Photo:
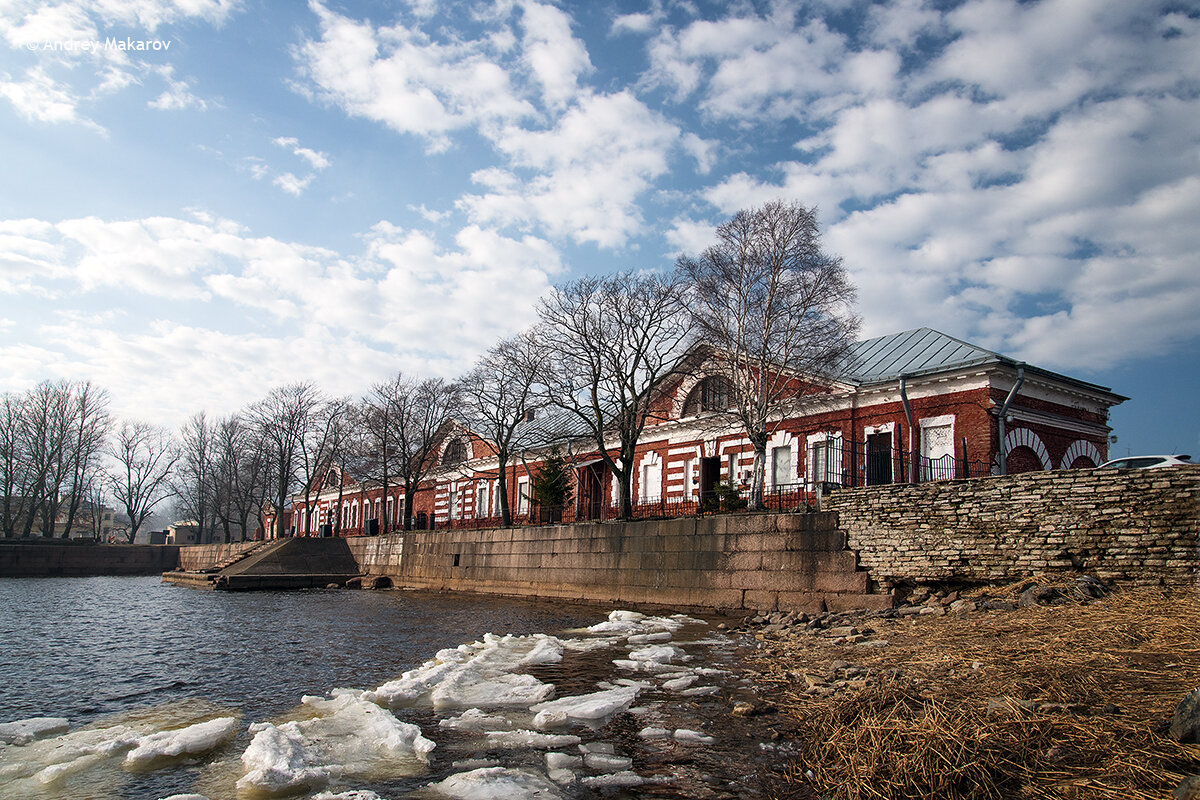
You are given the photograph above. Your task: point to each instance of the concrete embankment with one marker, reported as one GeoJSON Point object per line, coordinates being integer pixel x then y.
{"type": "Point", "coordinates": [56, 558]}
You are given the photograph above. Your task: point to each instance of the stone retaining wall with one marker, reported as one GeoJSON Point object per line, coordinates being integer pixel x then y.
{"type": "Point", "coordinates": [48, 558]}
{"type": "Point", "coordinates": [202, 556]}
{"type": "Point", "coordinates": [744, 561]}
{"type": "Point", "coordinates": [1137, 527]}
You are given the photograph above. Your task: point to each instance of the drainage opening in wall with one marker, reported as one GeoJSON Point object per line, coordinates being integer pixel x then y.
{"type": "Point", "coordinates": [455, 564]}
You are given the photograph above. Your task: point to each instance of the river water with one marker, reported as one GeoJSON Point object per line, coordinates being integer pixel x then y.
{"type": "Point", "coordinates": [136, 665]}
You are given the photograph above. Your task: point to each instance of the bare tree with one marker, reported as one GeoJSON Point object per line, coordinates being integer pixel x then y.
{"type": "Point", "coordinates": [282, 420]}
{"type": "Point", "coordinates": [608, 345]}
{"type": "Point", "coordinates": [50, 440]}
{"type": "Point", "coordinates": [777, 308]}
{"type": "Point", "coordinates": [415, 414]}
{"type": "Point", "coordinates": [88, 431]}
{"type": "Point", "coordinates": [194, 480]}
{"type": "Point", "coordinates": [240, 488]}
{"type": "Point", "coordinates": [144, 457]}
{"type": "Point", "coordinates": [322, 446]}
{"type": "Point", "coordinates": [497, 396]}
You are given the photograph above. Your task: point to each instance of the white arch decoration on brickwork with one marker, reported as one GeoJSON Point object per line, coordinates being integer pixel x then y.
{"type": "Point", "coordinates": [1078, 448]}
{"type": "Point", "coordinates": [1024, 437]}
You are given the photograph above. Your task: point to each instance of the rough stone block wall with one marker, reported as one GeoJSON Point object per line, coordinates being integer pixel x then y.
{"type": "Point", "coordinates": [759, 562]}
{"type": "Point", "coordinates": [1136, 527]}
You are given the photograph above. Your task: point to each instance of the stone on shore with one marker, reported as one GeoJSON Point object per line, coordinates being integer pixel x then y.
{"type": "Point", "coordinates": [1185, 723]}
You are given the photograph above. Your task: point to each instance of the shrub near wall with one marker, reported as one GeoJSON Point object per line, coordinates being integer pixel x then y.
{"type": "Point", "coordinates": [1137, 527]}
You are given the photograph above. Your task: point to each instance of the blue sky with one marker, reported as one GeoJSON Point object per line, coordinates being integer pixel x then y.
{"type": "Point", "coordinates": [268, 192]}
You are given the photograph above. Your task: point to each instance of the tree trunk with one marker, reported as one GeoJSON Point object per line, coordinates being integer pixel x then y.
{"type": "Point", "coordinates": [758, 477]}
{"type": "Point", "coordinates": [502, 489]}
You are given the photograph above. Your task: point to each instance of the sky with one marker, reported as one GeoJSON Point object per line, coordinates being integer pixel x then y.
{"type": "Point", "coordinates": [202, 199]}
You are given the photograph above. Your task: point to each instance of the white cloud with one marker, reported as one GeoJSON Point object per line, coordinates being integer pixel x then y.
{"type": "Point", "coordinates": [40, 98]}
{"type": "Point", "coordinates": [178, 95]}
{"type": "Point", "coordinates": [399, 76]}
{"type": "Point", "coordinates": [291, 184]}
{"type": "Point", "coordinates": [316, 159]}
{"type": "Point", "coordinates": [403, 300]}
{"type": "Point", "coordinates": [987, 190]}
{"type": "Point", "coordinates": [587, 172]}
{"type": "Point", "coordinates": [553, 55]}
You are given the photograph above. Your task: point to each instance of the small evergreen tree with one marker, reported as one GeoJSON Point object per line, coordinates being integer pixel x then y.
{"type": "Point", "coordinates": [552, 484]}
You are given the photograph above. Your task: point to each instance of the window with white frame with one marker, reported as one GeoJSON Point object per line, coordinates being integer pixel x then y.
{"type": "Point", "coordinates": [781, 466]}
{"type": "Point", "coordinates": [937, 448]}
{"type": "Point", "coordinates": [391, 511]}
{"type": "Point", "coordinates": [824, 458]}
{"type": "Point", "coordinates": [523, 495]}
{"type": "Point", "coordinates": [453, 504]}
{"type": "Point", "coordinates": [650, 479]}
{"type": "Point", "coordinates": [689, 478]}
{"type": "Point", "coordinates": [481, 500]}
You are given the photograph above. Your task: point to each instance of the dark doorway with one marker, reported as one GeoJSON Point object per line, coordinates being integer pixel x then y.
{"type": "Point", "coordinates": [879, 459]}
{"type": "Point", "coordinates": [710, 476]}
{"type": "Point", "coordinates": [591, 491]}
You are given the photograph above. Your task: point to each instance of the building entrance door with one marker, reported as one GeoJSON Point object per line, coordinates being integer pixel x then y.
{"type": "Point", "coordinates": [710, 476]}
{"type": "Point", "coordinates": [879, 459]}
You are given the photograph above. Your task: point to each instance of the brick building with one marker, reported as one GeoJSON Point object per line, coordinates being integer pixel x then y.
{"type": "Point", "coordinates": [909, 407]}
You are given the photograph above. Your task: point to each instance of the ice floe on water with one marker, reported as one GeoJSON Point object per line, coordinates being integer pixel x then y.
{"type": "Point", "coordinates": [24, 731]}
{"type": "Point", "coordinates": [481, 674]}
{"type": "Point", "coordinates": [199, 738]}
{"type": "Point", "coordinates": [347, 737]}
{"type": "Point", "coordinates": [479, 697]}
{"type": "Point", "coordinates": [496, 783]}
{"type": "Point", "coordinates": [48, 756]}
{"type": "Point", "coordinates": [589, 709]}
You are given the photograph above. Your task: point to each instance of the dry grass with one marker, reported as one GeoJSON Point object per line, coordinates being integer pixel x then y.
{"type": "Point", "coordinates": [1121, 665]}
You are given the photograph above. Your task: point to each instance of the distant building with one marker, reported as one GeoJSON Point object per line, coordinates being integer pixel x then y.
{"type": "Point", "coordinates": [183, 533]}
{"type": "Point", "coordinates": [914, 406]}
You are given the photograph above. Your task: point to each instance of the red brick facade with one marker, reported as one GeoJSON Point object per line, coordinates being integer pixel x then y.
{"type": "Point", "coordinates": [848, 435]}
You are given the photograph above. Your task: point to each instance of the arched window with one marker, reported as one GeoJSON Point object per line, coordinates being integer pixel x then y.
{"type": "Point", "coordinates": [455, 452]}
{"type": "Point", "coordinates": [710, 394]}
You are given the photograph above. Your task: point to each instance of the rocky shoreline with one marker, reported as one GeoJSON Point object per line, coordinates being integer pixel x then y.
{"type": "Point", "coordinates": [1048, 687]}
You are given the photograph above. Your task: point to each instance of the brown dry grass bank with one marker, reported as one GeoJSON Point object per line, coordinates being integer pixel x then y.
{"type": "Point", "coordinates": [1064, 701]}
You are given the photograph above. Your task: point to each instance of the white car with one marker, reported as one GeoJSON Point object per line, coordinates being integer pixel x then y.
{"type": "Point", "coordinates": [1146, 462]}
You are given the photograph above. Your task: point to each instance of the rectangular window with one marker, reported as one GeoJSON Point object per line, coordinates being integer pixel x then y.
{"type": "Point", "coordinates": [523, 495]}
{"type": "Point", "coordinates": [651, 488]}
{"type": "Point", "coordinates": [937, 448]}
{"type": "Point", "coordinates": [689, 478]}
{"type": "Point", "coordinates": [453, 504]}
{"type": "Point", "coordinates": [825, 459]}
{"type": "Point", "coordinates": [781, 466]}
{"type": "Point", "coordinates": [481, 501]}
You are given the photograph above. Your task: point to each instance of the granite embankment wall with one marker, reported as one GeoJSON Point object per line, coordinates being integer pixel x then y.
{"type": "Point", "coordinates": [743, 561]}
{"type": "Point", "coordinates": [1135, 527]}
{"type": "Point", "coordinates": [49, 558]}
{"type": "Point", "coordinates": [203, 556]}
